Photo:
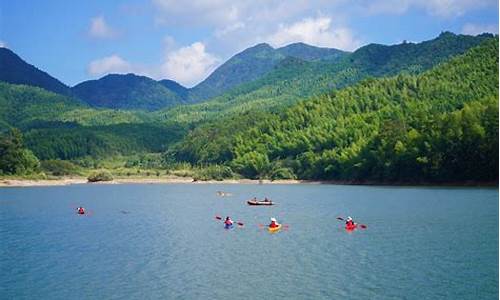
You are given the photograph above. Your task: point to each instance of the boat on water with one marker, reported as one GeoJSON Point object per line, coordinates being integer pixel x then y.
{"type": "Point", "coordinates": [257, 202]}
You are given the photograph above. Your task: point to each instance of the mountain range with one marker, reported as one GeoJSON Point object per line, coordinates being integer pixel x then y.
{"type": "Point", "coordinates": [257, 73]}
{"type": "Point", "coordinates": [293, 79]}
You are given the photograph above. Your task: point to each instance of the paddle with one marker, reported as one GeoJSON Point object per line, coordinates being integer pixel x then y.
{"type": "Point", "coordinates": [363, 226]}
{"type": "Point", "coordinates": [239, 223]}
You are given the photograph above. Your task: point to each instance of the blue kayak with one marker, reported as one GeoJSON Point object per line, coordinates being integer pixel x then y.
{"type": "Point", "coordinates": [228, 226]}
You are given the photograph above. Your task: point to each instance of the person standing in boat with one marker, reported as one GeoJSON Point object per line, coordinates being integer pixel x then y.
{"type": "Point", "coordinates": [274, 223]}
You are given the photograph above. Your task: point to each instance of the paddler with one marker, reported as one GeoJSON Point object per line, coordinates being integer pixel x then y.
{"type": "Point", "coordinates": [274, 223]}
{"type": "Point", "coordinates": [80, 210]}
{"type": "Point", "coordinates": [228, 222]}
{"type": "Point", "coordinates": [349, 222]}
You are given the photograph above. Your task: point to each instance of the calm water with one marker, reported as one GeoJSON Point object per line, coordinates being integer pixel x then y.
{"type": "Point", "coordinates": [421, 243]}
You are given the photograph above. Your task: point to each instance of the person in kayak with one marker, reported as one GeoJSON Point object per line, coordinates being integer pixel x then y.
{"type": "Point", "coordinates": [228, 222]}
{"type": "Point", "coordinates": [349, 222]}
{"type": "Point", "coordinates": [80, 210]}
{"type": "Point", "coordinates": [274, 223]}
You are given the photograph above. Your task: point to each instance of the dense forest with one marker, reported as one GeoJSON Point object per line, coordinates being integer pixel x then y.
{"type": "Point", "coordinates": [14, 157]}
{"type": "Point", "coordinates": [60, 127]}
{"type": "Point", "coordinates": [293, 78]}
{"type": "Point", "coordinates": [438, 126]}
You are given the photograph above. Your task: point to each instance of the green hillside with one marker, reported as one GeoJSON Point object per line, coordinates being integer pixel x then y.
{"type": "Point", "coordinates": [438, 126]}
{"type": "Point", "coordinates": [255, 62]}
{"type": "Point", "coordinates": [292, 79]}
{"type": "Point", "coordinates": [57, 126]}
{"type": "Point", "coordinates": [127, 92]}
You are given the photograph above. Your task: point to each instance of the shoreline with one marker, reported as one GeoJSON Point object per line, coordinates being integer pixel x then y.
{"type": "Point", "coordinates": [8, 182]}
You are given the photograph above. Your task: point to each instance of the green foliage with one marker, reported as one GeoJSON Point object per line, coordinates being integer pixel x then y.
{"type": "Point", "coordinates": [214, 172]}
{"type": "Point", "coordinates": [59, 167]}
{"type": "Point", "coordinates": [101, 175]}
{"type": "Point", "coordinates": [282, 173]}
{"type": "Point", "coordinates": [438, 126]}
{"type": "Point", "coordinates": [14, 158]}
{"type": "Point", "coordinates": [145, 161]}
{"type": "Point", "coordinates": [212, 142]}
{"type": "Point", "coordinates": [292, 79]}
{"type": "Point", "coordinates": [28, 107]}
{"type": "Point", "coordinates": [101, 141]}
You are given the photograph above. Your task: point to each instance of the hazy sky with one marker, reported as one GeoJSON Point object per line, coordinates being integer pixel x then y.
{"type": "Point", "coordinates": [186, 40]}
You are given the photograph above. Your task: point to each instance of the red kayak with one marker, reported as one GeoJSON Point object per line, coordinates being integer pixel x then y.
{"type": "Point", "coordinates": [351, 227]}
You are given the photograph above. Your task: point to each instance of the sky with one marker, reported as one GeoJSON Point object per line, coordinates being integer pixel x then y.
{"type": "Point", "coordinates": [185, 41]}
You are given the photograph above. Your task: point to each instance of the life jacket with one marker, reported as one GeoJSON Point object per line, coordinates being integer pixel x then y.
{"type": "Point", "coordinates": [349, 223]}
{"type": "Point", "coordinates": [228, 222]}
{"type": "Point", "coordinates": [273, 225]}
{"type": "Point", "coordinates": [81, 211]}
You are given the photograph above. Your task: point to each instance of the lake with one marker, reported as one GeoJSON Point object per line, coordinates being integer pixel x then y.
{"type": "Point", "coordinates": [164, 242]}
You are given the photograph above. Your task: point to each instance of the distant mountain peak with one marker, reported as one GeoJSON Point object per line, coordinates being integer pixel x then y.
{"type": "Point", "coordinates": [130, 91]}
{"type": "Point", "coordinates": [261, 46]}
{"type": "Point", "coordinates": [446, 34]}
{"type": "Point", "coordinates": [13, 69]}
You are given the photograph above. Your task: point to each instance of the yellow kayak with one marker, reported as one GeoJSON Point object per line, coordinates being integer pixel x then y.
{"type": "Point", "coordinates": [275, 229]}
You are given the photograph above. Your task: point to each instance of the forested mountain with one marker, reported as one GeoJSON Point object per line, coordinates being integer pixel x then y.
{"type": "Point", "coordinates": [15, 70]}
{"type": "Point", "coordinates": [25, 107]}
{"type": "Point", "coordinates": [310, 53]}
{"type": "Point", "coordinates": [253, 63]}
{"type": "Point", "coordinates": [440, 126]}
{"type": "Point", "coordinates": [292, 79]}
{"type": "Point", "coordinates": [128, 92]}
{"type": "Point", "coordinates": [175, 87]}
{"type": "Point", "coordinates": [56, 126]}
{"type": "Point", "coordinates": [21, 104]}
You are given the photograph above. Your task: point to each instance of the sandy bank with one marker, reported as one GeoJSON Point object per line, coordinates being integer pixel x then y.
{"type": "Point", "coordinates": [8, 182]}
{"type": "Point", "coordinates": [186, 180]}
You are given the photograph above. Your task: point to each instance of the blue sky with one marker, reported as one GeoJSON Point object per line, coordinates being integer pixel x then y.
{"type": "Point", "coordinates": [186, 40]}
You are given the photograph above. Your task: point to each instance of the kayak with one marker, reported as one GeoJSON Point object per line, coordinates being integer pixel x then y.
{"type": "Point", "coordinates": [351, 227]}
{"type": "Point", "coordinates": [228, 226]}
{"type": "Point", "coordinates": [274, 229]}
{"type": "Point", "coordinates": [256, 202]}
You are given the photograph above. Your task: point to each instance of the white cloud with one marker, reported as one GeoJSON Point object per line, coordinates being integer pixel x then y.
{"type": "Point", "coordinates": [440, 8]}
{"type": "Point", "coordinates": [188, 65]}
{"type": "Point", "coordinates": [236, 25]}
{"type": "Point", "coordinates": [3, 44]}
{"type": "Point", "coordinates": [100, 29]}
{"type": "Point", "coordinates": [475, 29]}
{"type": "Point", "coordinates": [109, 64]}
{"type": "Point", "coordinates": [219, 33]}
{"type": "Point", "coordinates": [318, 32]}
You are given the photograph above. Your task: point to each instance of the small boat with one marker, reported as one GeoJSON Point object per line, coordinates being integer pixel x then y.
{"type": "Point", "coordinates": [274, 229]}
{"type": "Point", "coordinates": [257, 202]}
